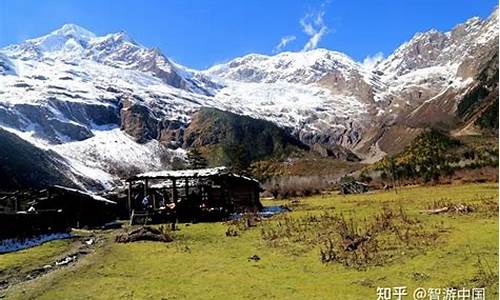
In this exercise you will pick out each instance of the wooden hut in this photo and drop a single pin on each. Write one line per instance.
(80, 208)
(192, 195)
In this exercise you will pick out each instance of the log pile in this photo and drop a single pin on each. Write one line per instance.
(144, 233)
(458, 208)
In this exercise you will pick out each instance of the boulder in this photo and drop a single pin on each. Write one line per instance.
(353, 187)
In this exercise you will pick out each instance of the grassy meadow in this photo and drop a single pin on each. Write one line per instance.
(295, 255)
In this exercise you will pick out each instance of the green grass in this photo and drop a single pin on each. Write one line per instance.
(19, 264)
(205, 264)
(32, 257)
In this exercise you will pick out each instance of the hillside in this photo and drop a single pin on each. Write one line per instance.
(25, 166)
(435, 156)
(479, 107)
(229, 138)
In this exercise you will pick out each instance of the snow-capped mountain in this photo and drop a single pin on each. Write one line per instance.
(421, 83)
(71, 86)
(433, 61)
(294, 67)
(71, 44)
(6, 66)
(320, 95)
(86, 96)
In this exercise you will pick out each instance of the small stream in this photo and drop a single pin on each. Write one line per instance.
(266, 212)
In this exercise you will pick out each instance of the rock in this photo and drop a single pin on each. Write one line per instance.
(171, 133)
(138, 121)
(255, 257)
(66, 260)
(46, 120)
(334, 151)
(353, 187)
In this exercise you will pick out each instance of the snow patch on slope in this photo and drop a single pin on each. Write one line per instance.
(290, 105)
(113, 149)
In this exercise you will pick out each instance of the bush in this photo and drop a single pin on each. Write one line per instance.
(296, 186)
(352, 241)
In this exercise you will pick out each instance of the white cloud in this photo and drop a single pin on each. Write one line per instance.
(314, 26)
(371, 60)
(284, 41)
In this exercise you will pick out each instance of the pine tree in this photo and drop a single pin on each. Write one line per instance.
(196, 160)
(238, 158)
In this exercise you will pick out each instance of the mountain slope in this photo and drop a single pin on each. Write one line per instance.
(479, 106)
(429, 77)
(320, 95)
(223, 133)
(81, 94)
(23, 165)
(418, 86)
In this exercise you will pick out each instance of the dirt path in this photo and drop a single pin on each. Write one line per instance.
(81, 246)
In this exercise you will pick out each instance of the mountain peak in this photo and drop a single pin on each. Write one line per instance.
(123, 35)
(73, 30)
(303, 67)
(69, 36)
(115, 38)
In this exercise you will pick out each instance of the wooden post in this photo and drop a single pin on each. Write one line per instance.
(145, 187)
(129, 198)
(187, 188)
(174, 190)
(174, 194)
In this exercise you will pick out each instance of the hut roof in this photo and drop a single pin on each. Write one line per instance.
(82, 193)
(196, 173)
(180, 174)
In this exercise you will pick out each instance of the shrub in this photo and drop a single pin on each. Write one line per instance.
(352, 242)
(296, 186)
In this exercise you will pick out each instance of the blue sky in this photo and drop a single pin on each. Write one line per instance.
(200, 33)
